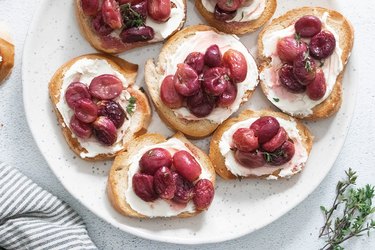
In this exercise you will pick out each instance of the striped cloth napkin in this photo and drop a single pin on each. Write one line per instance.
(32, 218)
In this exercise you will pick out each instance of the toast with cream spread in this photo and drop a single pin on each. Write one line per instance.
(6, 56)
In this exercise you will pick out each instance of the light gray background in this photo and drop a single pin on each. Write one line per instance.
(298, 229)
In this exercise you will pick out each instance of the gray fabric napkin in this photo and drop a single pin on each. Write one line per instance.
(32, 218)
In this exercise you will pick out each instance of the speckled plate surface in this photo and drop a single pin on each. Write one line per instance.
(239, 207)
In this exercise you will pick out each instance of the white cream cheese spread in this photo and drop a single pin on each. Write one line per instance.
(84, 70)
(199, 42)
(297, 104)
(159, 207)
(288, 169)
(251, 10)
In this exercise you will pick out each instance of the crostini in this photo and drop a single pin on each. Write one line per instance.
(6, 55)
(303, 54)
(159, 177)
(115, 26)
(97, 105)
(236, 16)
(201, 77)
(260, 144)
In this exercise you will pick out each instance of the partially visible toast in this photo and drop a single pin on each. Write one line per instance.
(7, 59)
(109, 44)
(139, 120)
(154, 73)
(219, 161)
(346, 38)
(118, 175)
(234, 27)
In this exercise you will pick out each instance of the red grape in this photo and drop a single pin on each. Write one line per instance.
(106, 87)
(322, 45)
(141, 9)
(229, 5)
(265, 128)
(100, 26)
(105, 131)
(223, 15)
(186, 80)
(111, 14)
(90, 7)
(288, 48)
(308, 26)
(86, 110)
(143, 186)
(169, 95)
(252, 159)
(159, 10)
(184, 189)
(317, 89)
(276, 141)
(196, 61)
(154, 159)
(186, 165)
(137, 34)
(164, 183)
(283, 155)
(245, 140)
(229, 96)
(200, 104)
(204, 194)
(304, 69)
(215, 81)
(236, 62)
(212, 57)
(75, 92)
(289, 81)
(113, 111)
(80, 129)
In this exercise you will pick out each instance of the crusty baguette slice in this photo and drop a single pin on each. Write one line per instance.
(112, 46)
(118, 175)
(7, 58)
(346, 37)
(139, 120)
(154, 74)
(238, 28)
(219, 161)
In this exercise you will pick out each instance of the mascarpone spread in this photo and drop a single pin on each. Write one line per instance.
(297, 104)
(251, 10)
(288, 169)
(199, 42)
(84, 70)
(159, 207)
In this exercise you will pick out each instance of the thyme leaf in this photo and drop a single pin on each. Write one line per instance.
(131, 105)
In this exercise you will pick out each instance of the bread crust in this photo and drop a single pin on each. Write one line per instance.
(7, 63)
(238, 28)
(118, 175)
(346, 38)
(219, 161)
(140, 119)
(97, 42)
(153, 74)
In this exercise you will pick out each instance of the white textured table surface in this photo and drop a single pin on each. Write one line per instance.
(298, 229)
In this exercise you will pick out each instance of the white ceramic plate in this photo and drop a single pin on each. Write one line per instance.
(239, 207)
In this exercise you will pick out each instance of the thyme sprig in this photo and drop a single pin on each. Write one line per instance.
(131, 17)
(131, 105)
(350, 213)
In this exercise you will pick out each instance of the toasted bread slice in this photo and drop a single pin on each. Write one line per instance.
(114, 45)
(118, 175)
(139, 121)
(346, 39)
(155, 73)
(7, 59)
(235, 27)
(218, 159)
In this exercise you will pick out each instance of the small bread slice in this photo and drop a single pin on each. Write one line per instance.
(7, 59)
(139, 120)
(238, 28)
(154, 74)
(108, 44)
(219, 161)
(346, 38)
(118, 175)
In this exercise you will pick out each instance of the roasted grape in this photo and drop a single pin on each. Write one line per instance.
(164, 183)
(223, 15)
(196, 61)
(184, 189)
(168, 94)
(113, 111)
(317, 88)
(75, 92)
(100, 26)
(86, 110)
(288, 48)
(154, 159)
(159, 10)
(276, 141)
(111, 14)
(252, 159)
(200, 104)
(236, 62)
(283, 155)
(322, 45)
(186, 80)
(90, 7)
(143, 187)
(106, 87)
(215, 80)
(244, 139)
(304, 69)
(137, 34)
(265, 128)
(229, 5)
(204, 193)
(212, 57)
(186, 165)
(105, 131)
(228, 97)
(289, 81)
(308, 26)
(80, 129)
